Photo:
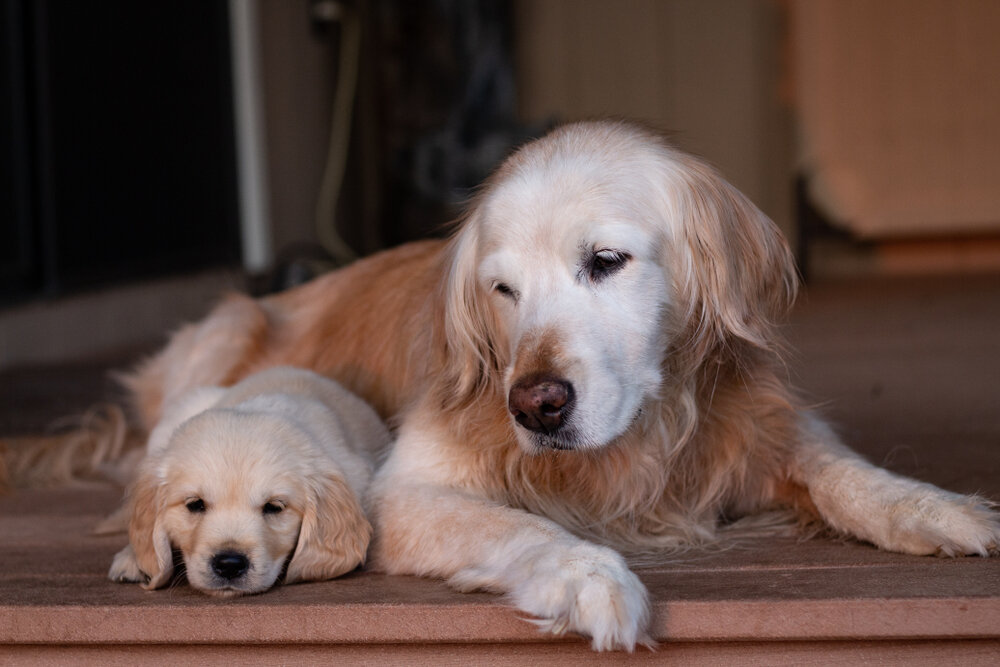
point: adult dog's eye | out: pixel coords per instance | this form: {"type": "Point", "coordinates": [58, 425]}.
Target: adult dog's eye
{"type": "Point", "coordinates": [505, 289]}
{"type": "Point", "coordinates": [272, 508]}
{"type": "Point", "coordinates": [196, 506]}
{"type": "Point", "coordinates": [603, 263]}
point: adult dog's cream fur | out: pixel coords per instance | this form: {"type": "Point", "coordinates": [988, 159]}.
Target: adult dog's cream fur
{"type": "Point", "coordinates": [239, 480]}
{"type": "Point", "coordinates": [588, 368]}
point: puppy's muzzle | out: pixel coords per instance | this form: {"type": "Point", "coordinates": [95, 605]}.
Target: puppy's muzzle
{"type": "Point", "coordinates": [230, 564]}
{"type": "Point", "coordinates": [541, 403]}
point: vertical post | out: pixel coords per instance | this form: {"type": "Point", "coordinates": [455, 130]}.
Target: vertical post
{"type": "Point", "coordinates": [251, 139]}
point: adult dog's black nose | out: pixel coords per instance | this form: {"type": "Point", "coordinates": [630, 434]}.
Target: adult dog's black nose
{"type": "Point", "coordinates": [230, 564]}
{"type": "Point", "coordinates": [541, 403]}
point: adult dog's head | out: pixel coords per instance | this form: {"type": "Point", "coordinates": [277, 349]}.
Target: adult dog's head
{"type": "Point", "coordinates": [597, 262]}
{"type": "Point", "coordinates": [241, 496]}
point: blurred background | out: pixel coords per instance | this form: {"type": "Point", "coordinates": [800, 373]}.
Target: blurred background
{"type": "Point", "coordinates": [153, 155]}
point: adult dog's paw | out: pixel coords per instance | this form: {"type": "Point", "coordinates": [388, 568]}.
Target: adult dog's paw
{"type": "Point", "coordinates": [587, 589]}
{"type": "Point", "coordinates": [930, 521]}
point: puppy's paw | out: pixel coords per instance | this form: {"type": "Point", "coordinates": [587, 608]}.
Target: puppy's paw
{"type": "Point", "coordinates": [587, 589]}
{"type": "Point", "coordinates": [930, 521]}
{"type": "Point", "coordinates": [125, 568]}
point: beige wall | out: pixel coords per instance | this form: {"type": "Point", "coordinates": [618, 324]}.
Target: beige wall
{"type": "Point", "coordinates": [899, 102]}
{"type": "Point", "coordinates": [706, 70]}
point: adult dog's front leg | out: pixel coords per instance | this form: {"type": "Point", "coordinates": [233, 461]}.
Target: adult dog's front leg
{"type": "Point", "coordinates": [569, 584]}
{"type": "Point", "coordinates": [890, 511]}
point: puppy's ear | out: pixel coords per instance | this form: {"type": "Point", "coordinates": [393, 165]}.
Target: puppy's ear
{"type": "Point", "coordinates": [335, 533]}
{"type": "Point", "coordinates": [475, 344]}
{"type": "Point", "coordinates": [734, 270]}
{"type": "Point", "coordinates": [147, 537]}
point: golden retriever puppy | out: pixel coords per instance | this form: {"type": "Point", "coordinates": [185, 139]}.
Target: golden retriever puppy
{"type": "Point", "coordinates": [589, 368]}
{"type": "Point", "coordinates": [247, 481]}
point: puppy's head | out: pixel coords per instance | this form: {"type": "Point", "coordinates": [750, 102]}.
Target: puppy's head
{"type": "Point", "coordinates": [239, 496]}
{"type": "Point", "coordinates": [591, 256]}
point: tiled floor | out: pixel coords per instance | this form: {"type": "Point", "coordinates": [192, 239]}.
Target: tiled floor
{"type": "Point", "coordinates": [908, 369]}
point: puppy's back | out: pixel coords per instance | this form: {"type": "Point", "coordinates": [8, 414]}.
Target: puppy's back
{"type": "Point", "coordinates": [365, 431]}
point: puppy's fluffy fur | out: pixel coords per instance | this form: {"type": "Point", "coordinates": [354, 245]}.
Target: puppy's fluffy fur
{"type": "Point", "coordinates": [246, 480]}
{"type": "Point", "coordinates": [589, 367]}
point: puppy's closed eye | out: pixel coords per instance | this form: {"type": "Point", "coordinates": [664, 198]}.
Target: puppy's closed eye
{"type": "Point", "coordinates": [272, 507]}
{"type": "Point", "coordinates": [195, 505]}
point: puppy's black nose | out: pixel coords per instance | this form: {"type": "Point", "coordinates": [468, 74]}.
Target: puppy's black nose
{"type": "Point", "coordinates": [230, 564]}
{"type": "Point", "coordinates": [541, 403]}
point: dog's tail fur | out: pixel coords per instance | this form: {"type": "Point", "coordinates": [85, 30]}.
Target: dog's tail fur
{"type": "Point", "coordinates": [93, 445]}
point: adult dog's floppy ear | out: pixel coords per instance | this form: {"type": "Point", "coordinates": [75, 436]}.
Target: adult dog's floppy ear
{"type": "Point", "coordinates": [735, 271]}
{"type": "Point", "coordinates": [149, 541]}
{"type": "Point", "coordinates": [334, 535]}
{"type": "Point", "coordinates": [473, 336]}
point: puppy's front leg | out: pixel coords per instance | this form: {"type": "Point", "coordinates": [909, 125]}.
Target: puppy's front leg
{"type": "Point", "coordinates": [425, 528]}
{"type": "Point", "coordinates": [890, 511]}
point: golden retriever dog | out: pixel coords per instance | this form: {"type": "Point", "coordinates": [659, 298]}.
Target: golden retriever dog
{"type": "Point", "coordinates": [248, 480]}
{"type": "Point", "coordinates": [587, 370]}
